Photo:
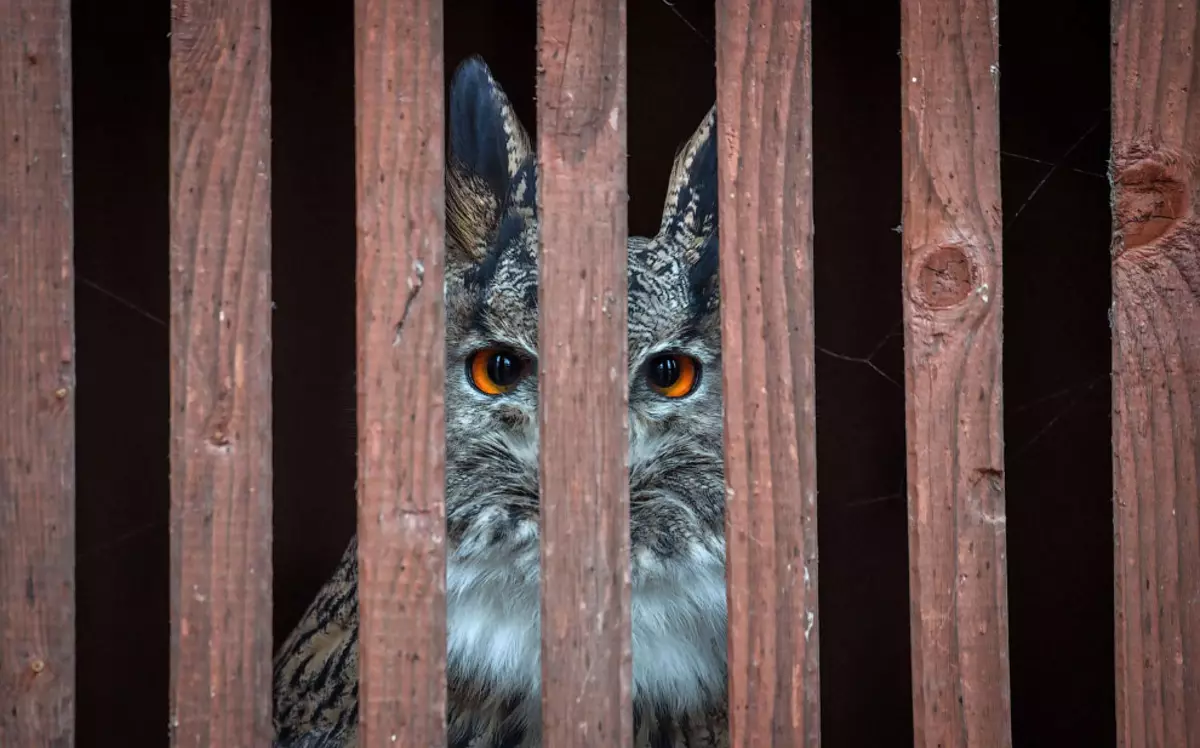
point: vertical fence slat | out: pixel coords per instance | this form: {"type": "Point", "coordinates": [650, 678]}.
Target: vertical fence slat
{"type": "Point", "coordinates": [220, 373]}
{"type": "Point", "coordinates": [400, 112]}
{"type": "Point", "coordinates": [37, 377]}
{"type": "Point", "coordinates": [764, 115]}
{"type": "Point", "coordinates": [952, 314]}
{"type": "Point", "coordinates": [583, 374]}
{"type": "Point", "coordinates": [1156, 370]}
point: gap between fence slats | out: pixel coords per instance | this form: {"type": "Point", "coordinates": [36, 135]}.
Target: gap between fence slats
{"type": "Point", "coordinates": [764, 120]}
{"type": "Point", "coordinates": [401, 353]}
{"type": "Point", "coordinates": [220, 343]}
{"type": "Point", "coordinates": [1156, 371]}
{"type": "Point", "coordinates": [952, 312]}
{"type": "Point", "coordinates": [37, 377]}
{"type": "Point", "coordinates": [583, 374]}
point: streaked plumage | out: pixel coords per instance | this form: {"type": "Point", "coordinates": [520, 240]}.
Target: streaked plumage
{"type": "Point", "coordinates": [676, 470]}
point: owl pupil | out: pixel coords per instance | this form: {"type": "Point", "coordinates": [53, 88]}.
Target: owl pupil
{"type": "Point", "coordinates": [665, 371]}
{"type": "Point", "coordinates": [503, 369]}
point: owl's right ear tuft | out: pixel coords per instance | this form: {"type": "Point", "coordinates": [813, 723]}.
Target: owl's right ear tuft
{"type": "Point", "coordinates": [486, 139]}
{"type": "Point", "coordinates": [487, 149]}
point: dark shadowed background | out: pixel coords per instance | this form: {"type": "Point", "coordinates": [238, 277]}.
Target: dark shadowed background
{"type": "Point", "coordinates": [1054, 135]}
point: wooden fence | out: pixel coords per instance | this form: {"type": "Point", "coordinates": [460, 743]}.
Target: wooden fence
{"type": "Point", "coordinates": [220, 253]}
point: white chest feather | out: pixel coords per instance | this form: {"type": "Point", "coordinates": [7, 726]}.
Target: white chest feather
{"type": "Point", "coordinates": [678, 620]}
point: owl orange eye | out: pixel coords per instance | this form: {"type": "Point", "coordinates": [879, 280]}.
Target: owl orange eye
{"type": "Point", "coordinates": [495, 371]}
{"type": "Point", "coordinates": [672, 374]}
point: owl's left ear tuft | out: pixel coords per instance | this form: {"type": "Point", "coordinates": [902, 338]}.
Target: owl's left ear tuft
{"type": "Point", "coordinates": [690, 213]}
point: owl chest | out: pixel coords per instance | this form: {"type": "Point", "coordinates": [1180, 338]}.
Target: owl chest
{"type": "Point", "coordinates": [678, 636]}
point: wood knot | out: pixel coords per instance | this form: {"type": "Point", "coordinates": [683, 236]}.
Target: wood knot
{"type": "Point", "coordinates": [218, 441]}
{"type": "Point", "coordinates": [941, 276]}
{"type": "Point", "coordinates": [1152, 196]}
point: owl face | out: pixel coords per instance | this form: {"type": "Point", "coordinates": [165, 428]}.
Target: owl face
{"type": "Point", "coordinates": [677, 489]}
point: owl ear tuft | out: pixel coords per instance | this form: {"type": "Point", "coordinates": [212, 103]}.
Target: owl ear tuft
{"type": "Point", "coordinates": [488, 155]}
{"type": "Point", "coordinates": [690, 214]}
{"type": "Point", "coordinates": [486, 139]}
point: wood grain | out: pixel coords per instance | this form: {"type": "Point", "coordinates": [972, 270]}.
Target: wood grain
{"type": "Point", "coordinates": [220, 343]}
{"type": "Point", "coordinates": [582, 195]}
{"type": "Point", "coordinates": [401, 363]}
{"type": "Point", "coordinates": [764, 115]}
{"type": "Point", "coordinates": [37, 377]}
{"type": "Point", "coordinates": [1156, 370]}
{"type": "Point", "coordinates": [952, 313]}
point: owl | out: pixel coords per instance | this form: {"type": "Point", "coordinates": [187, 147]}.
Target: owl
{"type": "Point", "coordinates": [677, 488]}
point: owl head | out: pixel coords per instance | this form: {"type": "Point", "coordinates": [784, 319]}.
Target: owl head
{"type": "Point", "coordinates": [677, 488]}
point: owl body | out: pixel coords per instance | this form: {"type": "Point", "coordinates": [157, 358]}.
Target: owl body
{"type": "Point", "coordinates": [677, 489]}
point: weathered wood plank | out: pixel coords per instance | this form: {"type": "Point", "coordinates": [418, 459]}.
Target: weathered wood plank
{"type": "Point", "coordinates": [952, 313]}
{"type": "Point", "coordinates": [401, 361]}
{"type": "Point", "coordinates": [764, 114]}
{"type": "Point", "coordinates": [1156, 370]}
{"type": "Point", "coordinates": [220, 342]}
{"type": "Point", "coordinates": [37, 377]}
{"type": "Point", "coordinates": [583, 374]}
